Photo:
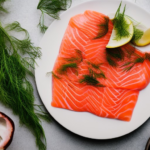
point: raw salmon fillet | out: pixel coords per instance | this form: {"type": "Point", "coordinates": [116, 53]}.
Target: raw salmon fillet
{"type": "Point", "coordinates": [118, 92]}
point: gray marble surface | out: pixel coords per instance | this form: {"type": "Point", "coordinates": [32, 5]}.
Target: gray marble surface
{"type": "Point", "coordinates": [58, 138]}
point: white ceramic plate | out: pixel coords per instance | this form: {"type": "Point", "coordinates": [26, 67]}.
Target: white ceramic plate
{"type": "Point", "coordinates": [83, 123]}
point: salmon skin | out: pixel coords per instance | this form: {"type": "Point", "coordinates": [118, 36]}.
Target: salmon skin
{"type": "Point", "coordinates": [83, 78]}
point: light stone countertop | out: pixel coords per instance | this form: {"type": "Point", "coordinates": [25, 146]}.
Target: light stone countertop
{"type": "Point", "coordinates": [58, 138]}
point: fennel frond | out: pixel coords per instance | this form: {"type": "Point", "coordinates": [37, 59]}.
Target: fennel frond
{"type": "Point", "coordinates": [51, 8]}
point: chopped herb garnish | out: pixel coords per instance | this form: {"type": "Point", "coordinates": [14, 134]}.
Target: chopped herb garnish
{"type": "Point", "coordinates": [139, 60]}
{"type": "Point", "coordinates": [91, 79]}
{"type": "Point", "coordinates": [132, 63]}
{"type": "Point", "coordinates": [120, 24]}
{"type": "Point", "coordinates": [116, 53]}
{"type": "Point", "coordinates": [99, 75]}
{"type": "Point", "coordinates": [64, 67]}
{"type": "Point", "coordinates": [147, 56]}
{"type": "Point", "coordinates": [96, 66]}
{"type": "Point", "coordinates": [111, 61]}
{"type": "Point", "coordinates": [79, 53]}
{"type": "Point", "coordinates": [128, 68]}
{"type": "Point", "coordinates": [17, 60]}
{"type": "Point", "coordinates": [77, 58]}
{"type": "Point", "coordinates": [113, 55]}
{"type": "Point", "coordinates": [103, 28]}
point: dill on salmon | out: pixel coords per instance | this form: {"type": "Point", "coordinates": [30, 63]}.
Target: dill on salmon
{"type": "Point", "coordinates": [120, 24]}
{"type": "Point", "coordinates": [103, 28]}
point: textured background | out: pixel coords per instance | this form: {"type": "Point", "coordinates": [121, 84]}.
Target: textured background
{"type": "Point", "coordinates": [59, 138]}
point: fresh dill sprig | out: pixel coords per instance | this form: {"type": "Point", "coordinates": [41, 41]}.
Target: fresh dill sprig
{"type": "Point", "coordinates": [17, 60]}
{"type": "Point", "coordinates": [120, 24]}
{"type": "Point", "coordinates": [131, 64]}
{"type": "Point", "coordinates": [103, 28]}
{"type": "Point", "coordinates": [116, 53]}
{"type": "Point", "coordinates": [51, 8]}
{"type": "Point", "coordinates": [2, 9]}
{"type": "Point", "coordinates": [95, 74]}
{"type": "Point", "coordinates": [41, 113]}
{"type": "Point", "coordinates": [91, 79]}
{"type": "Point", "coordinates": [137, 34]}
{"type": "Point", "coordinates": [96, 66]}
{"type": "Point", "coordinates": [63, 68]}
{"type": "Point", "coordinates": [113, 55]}
{"type": "Point", "coordinates": [77, 58]}
{"type": "Point", "coordinates": [111, 61]}
{"type": "Point", "coordinates": [41, 24]}
{"type": "Point", "coordinates": [99, 75]}
{"type": "Point", "coordinates": [147, 56]}
{"type": "Point", "coordinates": [79, 53]}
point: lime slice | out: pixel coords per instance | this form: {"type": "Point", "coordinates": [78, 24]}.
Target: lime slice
{"type": "Point", "coordinates": [117, 43]}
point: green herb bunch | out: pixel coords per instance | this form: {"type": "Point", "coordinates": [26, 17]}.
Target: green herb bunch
{"type": "Point", "coordinates": [17, 61]}
{"type": "Point", "coordinates": [51, 8]}
{"type": "Point", "coordinates": [16, 91]}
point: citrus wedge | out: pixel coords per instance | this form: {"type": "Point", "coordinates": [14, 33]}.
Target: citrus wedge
{"type": "Point", "coordinates": [113, 43]}
{"type": "Point", "coordinates": [144, 40]}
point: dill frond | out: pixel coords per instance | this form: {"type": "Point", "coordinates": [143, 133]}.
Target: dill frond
{"type": "Point", "coordinates": [120, 24]}
{"type": "Point", "coordinates": [103, 28]}
{"type": "Point", "coordinates": [95, 74]}
{"type": "Point", "coordinates": [99, 75]}
{"type": "Point", "coordinates": [2, 9]}
{"type": "Point", "coordinates": [128, 68]}
{"type": "Point", "coordinates": [111, 61]}
{"type": "Point", "coordinates": [96, 66]}
{"type": "Point", "coordinates": [116, 53]}
{"type": "Point", "coordinates": [41, 113]}
{"type": "Point", "coordinates": [64, 67]}
{"type": "Point", "coordinates": [77, 58]}
{"type": "Point", "coordinates": [137, 34]}
{"type": "Point", "coordinates": [79, 53]}
{"type": "Point", "coordinates": [131, 64]}
{"type": "Point", "coordinates": [113, 55]}
{"type": "Point", "coordinates": [147, 56]}
{"type": "Point", "coordinates": [17, 60]}
{"type": "Point", "coordinates": [126, 64]}
{"type": "Point", "coordinates": [91, 79]}
{"type": "Point", "coordinates": [51, 8]}
{"type": "Point", "coordinates": [139, 60]}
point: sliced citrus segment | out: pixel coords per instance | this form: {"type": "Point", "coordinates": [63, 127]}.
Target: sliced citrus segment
{"type": "Point", "coordinates": [144, 40]}
{"type": "Point", "coordinates": [117, 43]}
